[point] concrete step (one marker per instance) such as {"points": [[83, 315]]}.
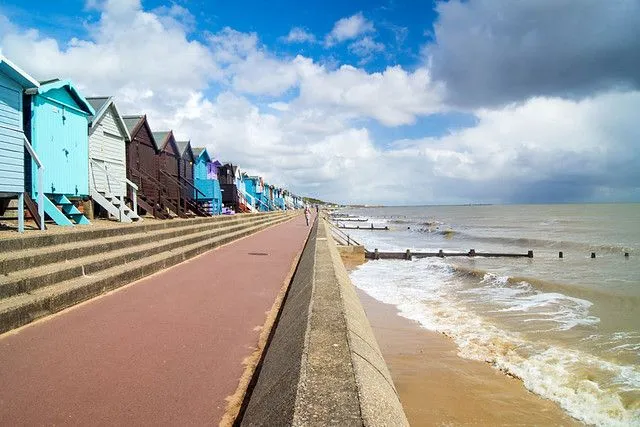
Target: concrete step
{"points": [[42, 301], [29, 258], [32, 278], [48, 238]]}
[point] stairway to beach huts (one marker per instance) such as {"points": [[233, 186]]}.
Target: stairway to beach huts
{"points": [[47, 272]]}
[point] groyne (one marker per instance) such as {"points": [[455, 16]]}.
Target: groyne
{"points": [[322, 365]]}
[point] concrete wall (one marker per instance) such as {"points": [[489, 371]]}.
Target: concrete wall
{"points": [[323, 365]]}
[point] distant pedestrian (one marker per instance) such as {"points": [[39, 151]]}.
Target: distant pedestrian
{"points": [[307, 213], [317, 208]]}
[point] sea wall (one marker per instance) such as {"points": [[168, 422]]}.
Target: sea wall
{"points": [[322, 365]]}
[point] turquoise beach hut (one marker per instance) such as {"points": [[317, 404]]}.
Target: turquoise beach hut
{"points": [[13, 82], [255, 187], [206, 181], [58, 131]]}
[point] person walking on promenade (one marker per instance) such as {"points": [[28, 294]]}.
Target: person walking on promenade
{"points": [[307, 213]]}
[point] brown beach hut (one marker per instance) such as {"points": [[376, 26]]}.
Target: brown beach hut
{"points": [[169, 170], [227, 179], [142, 165]]}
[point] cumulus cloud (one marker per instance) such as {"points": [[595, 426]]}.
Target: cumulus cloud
{"points": [[349, 28], [492, 53], [544, 150], [366, 48], [393, 97], [299, 35], [126, 56]]}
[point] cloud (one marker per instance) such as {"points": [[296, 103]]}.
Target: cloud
{"points": [[492, 53], [126, 56], [299, 35], [393, 97], [312, 134], [348, 28], [176, 16], [544, 150], [366, 48]]}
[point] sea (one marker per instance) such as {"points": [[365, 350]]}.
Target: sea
{"points": [[568, 327]]}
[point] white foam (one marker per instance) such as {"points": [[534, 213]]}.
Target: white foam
{"points": [[428, 292], [561, 311]]}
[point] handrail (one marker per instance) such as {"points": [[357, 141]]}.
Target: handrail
{"points": [[343, 234], [106, 171], [150, 177], [177, 181], [190, 184], [40, 166], [131, 184], [32, 152]]}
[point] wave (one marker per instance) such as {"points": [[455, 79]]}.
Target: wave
{"points": [[529, 243], [464, 303]]}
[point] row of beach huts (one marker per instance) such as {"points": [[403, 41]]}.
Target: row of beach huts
{"points": [[62, 153]]}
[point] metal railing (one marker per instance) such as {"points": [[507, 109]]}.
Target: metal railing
{"points": [[341, 237]]}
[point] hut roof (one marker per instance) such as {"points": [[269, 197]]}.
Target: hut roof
{"points": [[162, 138], [182, 146], [48, 85], [165, 138], [17, 74], [98, 102], [134, 122], [101, 105], [201, 152]]}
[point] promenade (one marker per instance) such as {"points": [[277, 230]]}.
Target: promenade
{"points": [[165, 350]]}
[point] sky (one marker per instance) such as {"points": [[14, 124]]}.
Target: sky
{"points": [[368, 101]]}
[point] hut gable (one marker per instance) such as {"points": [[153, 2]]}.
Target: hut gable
{"points": [[105, 107], [140, 130], [185, 150], [167, 143]]}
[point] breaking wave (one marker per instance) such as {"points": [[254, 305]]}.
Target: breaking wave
{"points": [[511, 323]]}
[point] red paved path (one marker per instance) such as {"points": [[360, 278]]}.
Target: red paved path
{"points": [[164, 351]]}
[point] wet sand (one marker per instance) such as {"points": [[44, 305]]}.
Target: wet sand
{"points": [[438, 388]]}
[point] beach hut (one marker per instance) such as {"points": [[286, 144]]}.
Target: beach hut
{"points": [[169, 171], [189, 194], [205, 173], [254, 187], [227, 179], [57, 128], [142, 167], [108, 138], [278, 199], [268, 196], [13, 83]]}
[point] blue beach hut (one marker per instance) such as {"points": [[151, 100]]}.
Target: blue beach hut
{"points": [[13, 82], [206, 181], [255, 187], [58, 131]]}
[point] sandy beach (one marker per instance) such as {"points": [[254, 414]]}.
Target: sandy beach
{"points": [[438, 388]]}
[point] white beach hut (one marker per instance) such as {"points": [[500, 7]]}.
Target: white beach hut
{"points": [[108, 136]]}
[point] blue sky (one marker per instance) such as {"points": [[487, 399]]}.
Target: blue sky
{"points": [[468, 100]]}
